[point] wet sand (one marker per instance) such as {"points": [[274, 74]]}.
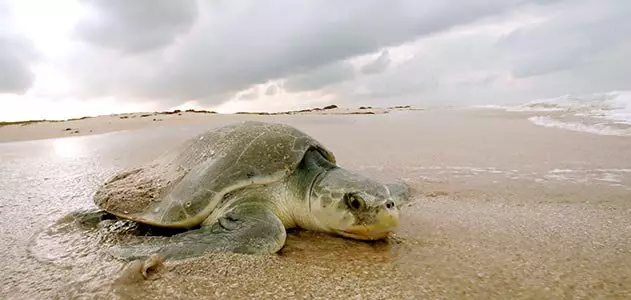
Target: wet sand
{"points": [[501, 209]]}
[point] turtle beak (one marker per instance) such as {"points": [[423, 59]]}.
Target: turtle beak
{"points": [[386, 223]]}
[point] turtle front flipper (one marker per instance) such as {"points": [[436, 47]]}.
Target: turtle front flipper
{"points": [[248, 228], [90, 218]]}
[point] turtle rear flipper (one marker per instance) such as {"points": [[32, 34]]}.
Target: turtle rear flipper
{"points": [[248, 228]]}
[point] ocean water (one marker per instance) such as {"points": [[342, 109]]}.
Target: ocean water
{"points": [[606, 113]]}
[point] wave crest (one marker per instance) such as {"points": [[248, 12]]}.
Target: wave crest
{"points": [[599, 113]]}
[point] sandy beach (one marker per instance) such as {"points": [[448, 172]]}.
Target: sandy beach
{"points": [[501, 208], [46, 129]]}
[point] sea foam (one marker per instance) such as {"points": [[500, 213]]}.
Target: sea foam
{"points": [[600, 128], [599, 113]]}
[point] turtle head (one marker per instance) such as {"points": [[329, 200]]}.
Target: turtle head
{"points": [[355, 206]]}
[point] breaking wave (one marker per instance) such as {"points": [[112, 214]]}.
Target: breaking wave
{"points": [[599, 113], [599, 128]]}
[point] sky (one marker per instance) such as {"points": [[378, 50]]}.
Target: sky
{"points": [[69, 58]]}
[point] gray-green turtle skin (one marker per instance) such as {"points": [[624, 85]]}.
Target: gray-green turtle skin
{"points": [[239, 187]]}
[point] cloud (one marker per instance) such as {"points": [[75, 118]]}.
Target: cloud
{"points": [[533, 52], [16, 57], [320, 77], [570, 36], [272, 90], [378, 65], [138, 25], [282, 54], [235, 44]]}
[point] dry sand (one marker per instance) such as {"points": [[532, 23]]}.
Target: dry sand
{"points": [[501, 209], [42, 129]]}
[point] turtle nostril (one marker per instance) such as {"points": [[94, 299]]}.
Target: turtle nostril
{"points": [[389, 204]]}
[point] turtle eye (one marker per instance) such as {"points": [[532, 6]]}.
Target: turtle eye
{"points": [[353, 201]]}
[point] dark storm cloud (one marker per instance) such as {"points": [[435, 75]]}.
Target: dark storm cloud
{"points": [[239, 43], [136, 25], [473, 50], [570, 47]]}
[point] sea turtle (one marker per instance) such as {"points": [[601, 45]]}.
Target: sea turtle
{"points": [[237, 188]]}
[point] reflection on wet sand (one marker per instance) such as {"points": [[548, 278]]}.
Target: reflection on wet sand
{"points": [[68, 147]]}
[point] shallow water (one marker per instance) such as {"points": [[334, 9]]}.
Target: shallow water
{"points": [[501, 208]]}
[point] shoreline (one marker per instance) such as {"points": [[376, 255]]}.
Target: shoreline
{"points": [[47, 129]]}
